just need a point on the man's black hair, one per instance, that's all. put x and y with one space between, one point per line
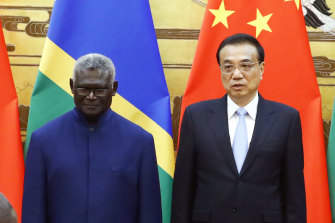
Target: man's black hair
241 38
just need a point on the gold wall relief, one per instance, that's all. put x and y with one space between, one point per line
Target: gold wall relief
324 67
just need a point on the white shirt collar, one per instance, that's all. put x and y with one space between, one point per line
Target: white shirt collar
251 108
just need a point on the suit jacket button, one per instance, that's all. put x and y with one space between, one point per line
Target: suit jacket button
235 210
238 182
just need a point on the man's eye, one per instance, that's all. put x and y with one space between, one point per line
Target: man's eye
228 67
245 65
83 90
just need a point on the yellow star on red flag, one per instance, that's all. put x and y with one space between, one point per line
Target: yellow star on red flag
297 2
261 23
221 15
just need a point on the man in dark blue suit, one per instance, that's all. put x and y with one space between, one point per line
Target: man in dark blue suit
90 164
240 157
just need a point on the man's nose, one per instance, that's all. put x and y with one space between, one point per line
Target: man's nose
91 95
237 74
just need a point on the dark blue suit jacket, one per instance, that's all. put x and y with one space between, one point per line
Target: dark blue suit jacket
270 187
81 174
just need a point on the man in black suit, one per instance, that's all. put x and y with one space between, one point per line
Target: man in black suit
240 157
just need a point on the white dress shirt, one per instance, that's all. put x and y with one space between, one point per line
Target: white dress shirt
233 118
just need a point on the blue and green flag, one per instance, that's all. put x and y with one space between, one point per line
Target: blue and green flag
124 32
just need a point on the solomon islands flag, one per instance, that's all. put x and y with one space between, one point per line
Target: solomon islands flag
123 31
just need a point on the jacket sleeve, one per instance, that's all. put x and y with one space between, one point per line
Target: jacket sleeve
150 210
294 198
184 177
34 198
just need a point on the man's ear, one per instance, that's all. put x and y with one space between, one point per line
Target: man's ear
261 67
71 85
115 86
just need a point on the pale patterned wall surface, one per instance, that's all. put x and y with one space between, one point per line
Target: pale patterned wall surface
25 23
177 23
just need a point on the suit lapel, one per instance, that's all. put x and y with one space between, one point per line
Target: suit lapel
263 124
218 120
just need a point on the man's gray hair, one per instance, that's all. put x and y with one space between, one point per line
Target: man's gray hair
7 212
94 61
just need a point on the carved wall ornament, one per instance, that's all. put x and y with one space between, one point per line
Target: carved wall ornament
323 66
32 28
10 23
10 47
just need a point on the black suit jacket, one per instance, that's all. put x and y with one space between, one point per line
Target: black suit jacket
270 187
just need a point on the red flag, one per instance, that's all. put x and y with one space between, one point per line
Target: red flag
288 78
11 152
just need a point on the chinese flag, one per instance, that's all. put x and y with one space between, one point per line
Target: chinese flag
11 152
288 78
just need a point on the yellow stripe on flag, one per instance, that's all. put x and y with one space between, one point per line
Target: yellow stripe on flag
57 65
